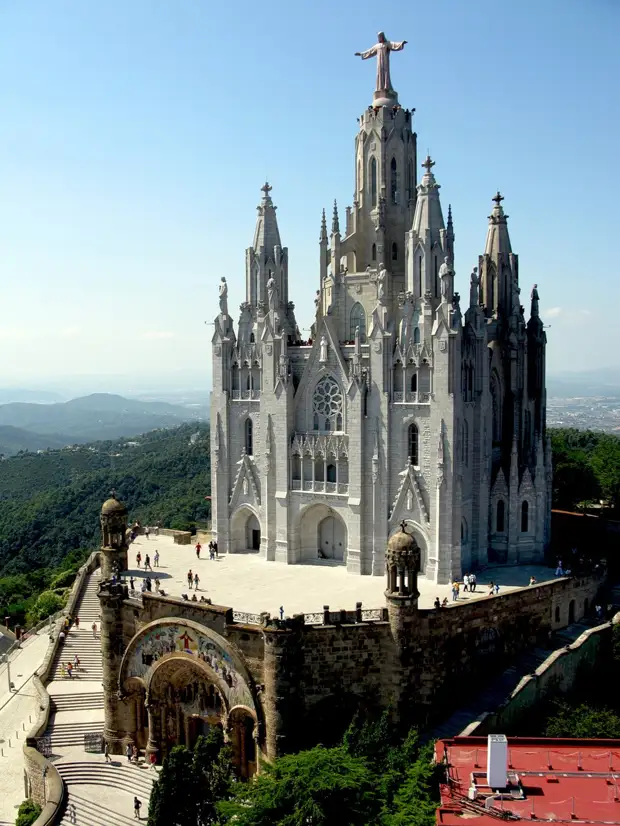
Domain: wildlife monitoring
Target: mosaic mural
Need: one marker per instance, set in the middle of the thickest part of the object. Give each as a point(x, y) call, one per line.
point(171, 638)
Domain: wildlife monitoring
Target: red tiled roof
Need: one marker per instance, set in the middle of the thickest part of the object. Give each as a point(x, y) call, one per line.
point(560, 780)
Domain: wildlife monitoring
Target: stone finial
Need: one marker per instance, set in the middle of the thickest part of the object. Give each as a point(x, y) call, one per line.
point(335, 220)
point(323, 235)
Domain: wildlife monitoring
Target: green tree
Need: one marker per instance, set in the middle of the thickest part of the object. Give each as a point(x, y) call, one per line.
point(582, 721)
point(47, 604)
point(416, 794)
point(174, 798)
point(319, 787)
point(27, 813)
point(212, 766)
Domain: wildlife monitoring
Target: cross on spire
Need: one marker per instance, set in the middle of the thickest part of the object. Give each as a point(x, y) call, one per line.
point(498, 198)
point(428, 164)
point(266, 189)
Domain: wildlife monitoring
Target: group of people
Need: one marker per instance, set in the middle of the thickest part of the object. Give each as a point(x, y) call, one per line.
point(147, 561)
point(212, 546)
point(192, 580)
point(136, 530)
point(67, 669)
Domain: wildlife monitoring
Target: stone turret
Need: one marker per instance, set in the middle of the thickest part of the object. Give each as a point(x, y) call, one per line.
point(113, 537)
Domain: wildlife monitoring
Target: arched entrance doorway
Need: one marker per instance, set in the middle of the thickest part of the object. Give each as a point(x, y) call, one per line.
point(332, 538)
point(245, 531)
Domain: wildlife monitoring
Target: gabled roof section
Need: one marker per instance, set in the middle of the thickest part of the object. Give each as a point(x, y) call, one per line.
point(399, 508)
point(267, 234)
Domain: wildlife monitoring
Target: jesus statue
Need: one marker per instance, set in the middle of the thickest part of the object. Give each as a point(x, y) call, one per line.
point(382, 50)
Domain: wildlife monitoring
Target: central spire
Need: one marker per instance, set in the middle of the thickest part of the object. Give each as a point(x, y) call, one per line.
point(267, 234)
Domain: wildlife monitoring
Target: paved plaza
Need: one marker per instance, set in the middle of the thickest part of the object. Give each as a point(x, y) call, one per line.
point(245, 582)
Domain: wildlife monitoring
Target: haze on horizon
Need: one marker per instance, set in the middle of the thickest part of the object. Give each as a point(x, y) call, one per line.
point(136, 138)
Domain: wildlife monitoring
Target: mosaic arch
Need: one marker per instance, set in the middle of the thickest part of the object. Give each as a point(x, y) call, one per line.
point(173, 639)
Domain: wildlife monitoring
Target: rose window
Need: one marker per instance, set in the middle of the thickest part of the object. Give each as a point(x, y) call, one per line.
point(327, 405)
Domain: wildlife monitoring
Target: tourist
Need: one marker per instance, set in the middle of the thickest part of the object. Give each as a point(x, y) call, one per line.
point(147, 562)
point(211, 551)
point(157, 586)
point(559, 571)
point(472, 582)
point(491, 588)
point(128, 752)
point(147, 532)
point(281, 612)
point(77, 623)
point(194, 598)
point(70, 670)
point(444, 604)
point(149, 584)
point(198, 549)
point(63, 671)
point(106, 752)
point(136, 808)
point(196, 581)
point(599, 611)
point(138, 558)
point(76, 663)
point(156, 559)
point(134, 755)
point(497, 588)
point(437, 604)
point(202, 599)
point(94, 627)
point(62, 636)
point(157, 527)
point(532, 580)
point(185, 597)
point(132, 583)
point(465, 582)
point(190, 578)
point(215, 548)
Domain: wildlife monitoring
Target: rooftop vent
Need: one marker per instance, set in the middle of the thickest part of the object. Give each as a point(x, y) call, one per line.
point(497, 761)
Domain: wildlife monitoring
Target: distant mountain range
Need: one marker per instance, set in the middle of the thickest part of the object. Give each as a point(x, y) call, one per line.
point(100, 416)
point(598, 382)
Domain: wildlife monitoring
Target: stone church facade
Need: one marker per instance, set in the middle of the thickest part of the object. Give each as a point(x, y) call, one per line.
point(406, 403)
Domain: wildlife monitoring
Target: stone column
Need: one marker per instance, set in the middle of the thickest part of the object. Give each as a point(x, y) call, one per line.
point(153, 711)
point(119, 718)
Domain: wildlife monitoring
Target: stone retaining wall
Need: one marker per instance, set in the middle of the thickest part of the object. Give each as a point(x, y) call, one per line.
point(43, 783)
point(557, 674)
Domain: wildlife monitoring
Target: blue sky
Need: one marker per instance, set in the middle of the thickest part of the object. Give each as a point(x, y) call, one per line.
point(135, 137)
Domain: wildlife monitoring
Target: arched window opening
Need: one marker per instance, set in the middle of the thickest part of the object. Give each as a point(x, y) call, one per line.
point(398, 377)
point(464, 533)
point(416, 335)
point(501, 516)
point(357, 319)
point(252, 338)
point(374, 252)
point(525, 516)
point(327, 405)
point(394, 252)
point(296, 467)
point(373, 182)
point(249, 436)
point(331, 473)
point(414, 383)
point(413, 444)
point(235, 377)
point(394, 181)
point(248, 382)
point(419, 274)
point(410, 180)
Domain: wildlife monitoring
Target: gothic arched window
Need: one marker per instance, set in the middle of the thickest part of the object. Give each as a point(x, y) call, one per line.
point(374, 252)
point(500, 516)
point(249, 436)
point(394, 181)
point(414, 382)
point(416, 335)
point(410, 186)
point(419, 273)
point(525, 517)
point(373, 182)
point(331, 473)
point(413, 438)
point(327, 405)
point(357, 319)
point(394, 252)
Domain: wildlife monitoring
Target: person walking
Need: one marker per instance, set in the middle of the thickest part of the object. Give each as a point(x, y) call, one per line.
point(94, 626)
point(137, 805)
point(128, 752)
point(465, 582)
point(147, 532)
point(147, 563)
point(63, 671)
point(559, 571)
point(198, 549)
point(157, 585)
point(491, 588)
point(138, 558)
point(156, 559)
point(472, 582)
point(211, 552)
point(196, 581)
point(437, 604)
point(70, 670)
point(76, 663)
point(106, 752)
point(215, 548)
point(132, 584)
point(281, 612)
point(77, 623)
point(157, 527)
point(190, 578)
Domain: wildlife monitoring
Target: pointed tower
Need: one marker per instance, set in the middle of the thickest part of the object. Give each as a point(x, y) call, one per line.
point(498, 266)
point(266, 258)
point(428, 242)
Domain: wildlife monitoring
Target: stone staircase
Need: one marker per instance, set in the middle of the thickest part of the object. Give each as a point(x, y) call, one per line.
point(77, 702)
point(70, 735)
point(80, 640)
point(504, 684)
point(115, 808)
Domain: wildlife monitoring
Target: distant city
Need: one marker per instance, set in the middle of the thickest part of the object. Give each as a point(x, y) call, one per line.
point(585, 412)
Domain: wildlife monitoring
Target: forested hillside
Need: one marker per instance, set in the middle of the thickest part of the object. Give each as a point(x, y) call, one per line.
point(49, 503)
point(586, 468)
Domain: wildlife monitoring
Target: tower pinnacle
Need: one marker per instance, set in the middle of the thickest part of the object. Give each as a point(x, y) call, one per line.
point(335, 221)
point(498, 240)
point(267, 234)
point(323, 235)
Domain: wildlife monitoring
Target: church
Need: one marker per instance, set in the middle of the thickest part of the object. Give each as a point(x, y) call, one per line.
point(407, 402)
